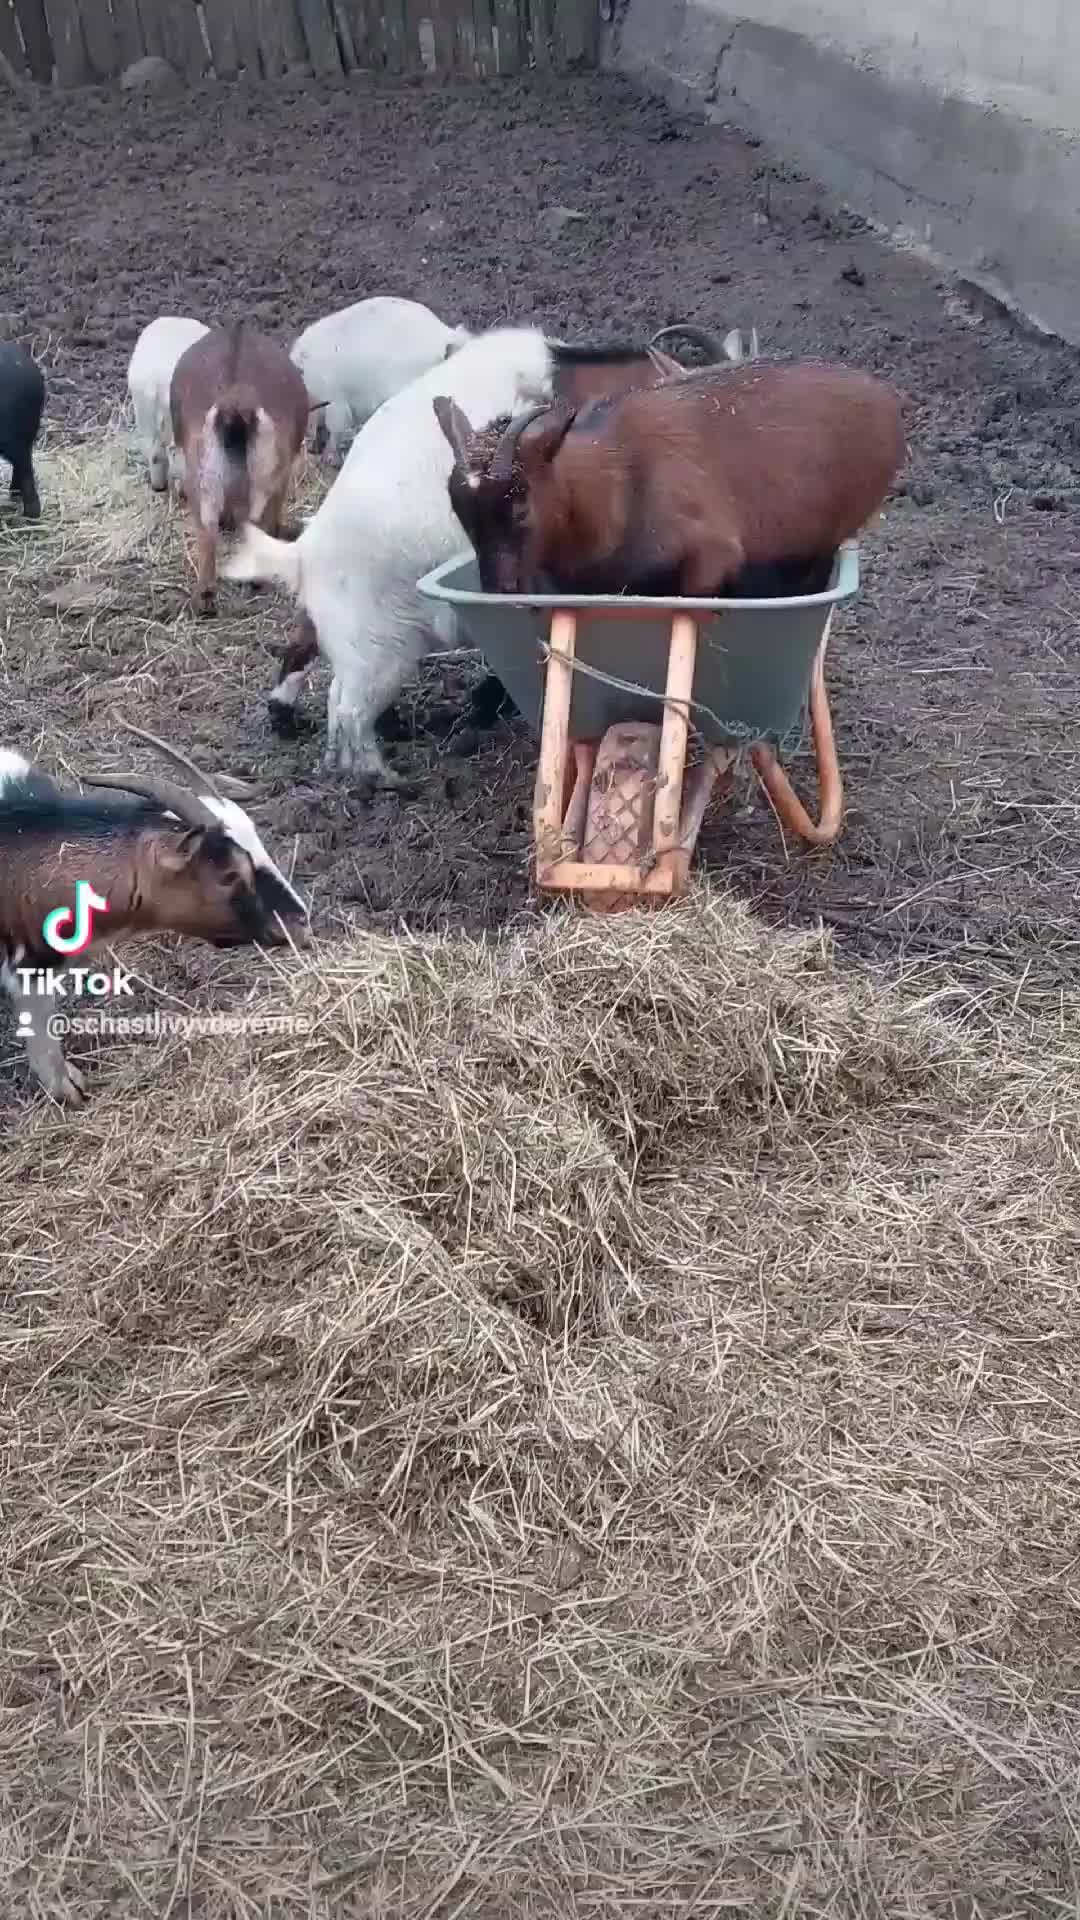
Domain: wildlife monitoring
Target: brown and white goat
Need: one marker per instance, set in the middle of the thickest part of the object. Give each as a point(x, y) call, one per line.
point(240, 417)
point(164, 858)
point(682, 490)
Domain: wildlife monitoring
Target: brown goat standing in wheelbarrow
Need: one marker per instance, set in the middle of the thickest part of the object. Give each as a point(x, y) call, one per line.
point(718, 483)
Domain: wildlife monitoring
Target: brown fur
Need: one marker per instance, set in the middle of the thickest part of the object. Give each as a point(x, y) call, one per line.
point(219, 386)
point(692, 482)
point(578, 382)
point(156, 879)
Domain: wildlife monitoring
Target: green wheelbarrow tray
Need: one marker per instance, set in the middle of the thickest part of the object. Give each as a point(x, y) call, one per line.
point(742, 672)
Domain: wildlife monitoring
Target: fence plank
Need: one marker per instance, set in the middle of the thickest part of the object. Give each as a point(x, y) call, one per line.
point(343, 26)
point(540, 32)
point(575, 37)
point(393, 36)
point(484, 44)
point(153, 25)
point(10, 44)
point(320, 36)
point(464, 37)
point(72, 62)
point(414, 14)
point(357, 16)
point(100, 39)
point(246, 29)
point(130, 44)
point(507, 39)
point(268, 20)
point(442, 14)
point(221, 34)
point(293, 34)
point(36, 38)
point(183, 39)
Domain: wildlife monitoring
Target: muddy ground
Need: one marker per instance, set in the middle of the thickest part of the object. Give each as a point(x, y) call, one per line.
point(954, 676)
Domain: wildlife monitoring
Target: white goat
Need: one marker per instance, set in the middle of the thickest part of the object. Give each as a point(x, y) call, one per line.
point(355, 359)
point(150, 371)
point(386, 521)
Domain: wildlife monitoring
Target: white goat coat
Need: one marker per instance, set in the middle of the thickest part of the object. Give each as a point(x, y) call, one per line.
point(150, 372)
point(359, 357)
point(386, 521)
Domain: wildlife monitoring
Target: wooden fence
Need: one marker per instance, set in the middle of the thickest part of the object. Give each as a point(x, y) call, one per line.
point(79, 42)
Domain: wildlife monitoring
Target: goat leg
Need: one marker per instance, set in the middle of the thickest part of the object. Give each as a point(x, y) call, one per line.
point(299, 653)
point(24, 484)
point(489, 700)
point(159, 467)
point(272, 514)
point(44, 1051)
point(206, 575)
point(357, 697)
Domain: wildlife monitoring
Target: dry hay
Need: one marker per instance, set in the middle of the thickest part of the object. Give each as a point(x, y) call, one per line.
point(589, 1430)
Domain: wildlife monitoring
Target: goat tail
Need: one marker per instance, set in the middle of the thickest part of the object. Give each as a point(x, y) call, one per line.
point(259, 557)
point(236, 337)
point(236, 423)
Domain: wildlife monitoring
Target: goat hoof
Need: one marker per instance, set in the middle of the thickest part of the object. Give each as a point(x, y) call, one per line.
point(284, 720)
point(206, 605)
point(31, 509)
point(390, 726)
point(63, 1083)
point(75, 1091)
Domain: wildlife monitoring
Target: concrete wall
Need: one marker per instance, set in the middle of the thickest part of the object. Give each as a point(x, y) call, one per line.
point(956, 122)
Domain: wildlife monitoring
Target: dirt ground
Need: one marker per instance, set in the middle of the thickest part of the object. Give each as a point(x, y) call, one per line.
point(953, 676)
point(588, 1427)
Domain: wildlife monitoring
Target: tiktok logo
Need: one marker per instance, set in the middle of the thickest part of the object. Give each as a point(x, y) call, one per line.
point(78, 919)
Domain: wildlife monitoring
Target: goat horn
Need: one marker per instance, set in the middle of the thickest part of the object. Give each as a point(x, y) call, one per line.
point(664, 363)
point(172, 754)
point(697, 337)
point(187, 807)
point(502, 464)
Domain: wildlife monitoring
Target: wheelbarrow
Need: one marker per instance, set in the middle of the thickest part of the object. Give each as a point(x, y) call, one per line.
point(613, 685)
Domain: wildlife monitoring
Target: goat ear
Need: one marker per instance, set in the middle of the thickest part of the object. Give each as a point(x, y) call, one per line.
point(198, 846)
point(454, 425)
point(180, 854)
point(540, 444)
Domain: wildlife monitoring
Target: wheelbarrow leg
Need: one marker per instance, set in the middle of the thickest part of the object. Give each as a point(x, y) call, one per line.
point(789, 808)
point(616, 821)
point(551, 774)
point(668, 834)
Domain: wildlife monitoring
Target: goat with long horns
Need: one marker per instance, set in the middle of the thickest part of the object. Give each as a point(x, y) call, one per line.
point(185, 859)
